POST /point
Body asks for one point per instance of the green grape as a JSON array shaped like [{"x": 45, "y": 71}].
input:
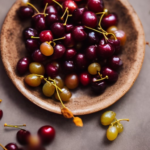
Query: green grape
[
  {"x": 120, "y": 127},
  {"x": 59, "y": 82},
  {"x": 48, "y": 89},
  {"x": 112, "y": 133},
  {"x": 94, "y": 68},
  {"x": 107, "y": 117}
]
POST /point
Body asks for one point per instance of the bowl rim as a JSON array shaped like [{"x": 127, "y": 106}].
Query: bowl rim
[{"x": 141, "y": 45}]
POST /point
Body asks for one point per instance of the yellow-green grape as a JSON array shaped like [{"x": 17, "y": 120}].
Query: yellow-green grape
[
  {"x": 48, "y": 89},
  {"x": 46, "y": 49},
  {"x": 24, "y": 2},
  {"x": 112, "y": 133},
  {"x": 36, "y": 68},
  {"x": 33, "y": 80},
  {"x": 59, "y": 82},
  {"x": 107, "y": 117},
  {"x": 94, "y": 68},
  {"x": 120, "y": 127}
]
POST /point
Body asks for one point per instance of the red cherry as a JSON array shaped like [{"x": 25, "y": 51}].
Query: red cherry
[
  {"x": 47, "y": 1},
  {"x": 95, "y": 5},
  {"x": 85, "y": 78},
  {"x": 37, "y": 56},
  {"x": 51, "y": 18},
  {"x": 11, "y": 146},
  {"x": 46, "y": 134},
  {"x": 70, "y": 54},
  {"x": 1, "y": 114},
  {"x": 92, "y": 38},
  {"x": 23, "y": 65},
  {"x": 69, "y": 28},
  {"x": 51, "y": 70},
  {"x": 109, "y": 20},
  {"x": 71, "y": 5},
  {"x": 28, "y": 32},
  {"x": 46, "y": 36},
  {"x": 69, "y": 41},
  {"x": 22, "y": 136},
  {"x": 89, "y": 19},
  {"x": 90, "y": 52},
  {"x": 51, "y": 10}
]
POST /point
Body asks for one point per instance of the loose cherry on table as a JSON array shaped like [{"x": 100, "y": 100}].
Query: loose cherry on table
[
  {"x": 11, "y": 146},
  {"x": 70, "y": 54},
  {"x": 85, "y": 78},
  {"x": 1, "y": 114}
]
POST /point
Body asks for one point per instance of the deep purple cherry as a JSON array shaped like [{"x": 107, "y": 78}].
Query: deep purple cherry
[
  {"x": 70, "y": 54},
  {"x": 89, "y": 19},
  {"x": 51, "y": 70},
  {"x": 1, "y": 114},
  {"x": 37, "y": 56},
  {"x": 32, "y": 45},
  {"x": 91, "y": 52},
  {"x": 95, "y": 5},
  {"x": 28, "y": 32},
  {"x": 79, "y": 33},
  {"x": 69, "y": 66},
  {"x": 22, "y": 136},
  {"x": 44, "y": 2},
  {"x": 51, "y": 10},
  {"x": 112, "y": 75},
  {"x": 69, "y": 41},
  {"x": 92, "y": 38},
  {"x": 69, "y": 28},
  {"x": 11, "y": 146},
  {"x": 51, "y": 18}
]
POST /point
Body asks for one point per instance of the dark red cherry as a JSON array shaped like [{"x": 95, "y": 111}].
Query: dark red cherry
[
  {"x": 112, "y": 75},
  {"x": 28, "y": 32},
  {"x": 51, "y": 70},
  {"x": 46, "y": 36},
  {"x": 79, "y": 34},
  {"x": 47, "y": 1},
  {"x": 46, "y": 134},
  {"x": 32, "y": 45},
  {"x": 102, "y": 41},
  {"x": 77, "y": 15},
  {"x": 85, "y": 78},
  {"x": 35, "y": 18},
  {"x": 81, "y": 61},
  {"x": 58, "y": 29},
  {"x": 105, "y": 51},
  {"x": 92, "y": 38},
  {"x": 115, "y": 63},
  {"x": 11, "y": 146},
  {"x": 95, "y": 5},
  {"x": 91, "y": 52},
  {"x": 59, "y": 51},
  {"x": 25, "y": 12},
  {"x": 70, "y": 4},
  {"x": 116, "y": 45},
  {"x": 1, "y": 114},
  {"x": 51, "y": 10},
  {"x": 69, "y": 66},
  {"x": 37, "y": 56},
  {"x": 89, "y": 19},
  {"x": 109, "y": 20},
  {"x": 23, "y": 65},
  {"x": 70, "y": 54},
  {"x": 69, "y": 41},
  {"x": 22, "y": 136},
  {"x": 98, "y": 87},
  {"x": 69, "y": 28},
  {"x": 51, "y": 18}
]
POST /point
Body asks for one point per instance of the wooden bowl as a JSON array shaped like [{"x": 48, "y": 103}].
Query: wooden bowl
[{"x": 83, "y": 101}]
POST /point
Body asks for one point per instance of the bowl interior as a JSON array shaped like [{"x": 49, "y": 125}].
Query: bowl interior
[{"x": 83, "y": 101}]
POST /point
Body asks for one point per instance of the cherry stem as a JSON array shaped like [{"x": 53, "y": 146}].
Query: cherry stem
[
  {"x": 58, "y": 3},
  {"x": 49, "y": 42},
  {"x": 14, "y": 126},
  {"x": 3, "y": 147},
  {"x": 45, "y": 10},
  {"x": 93, "y": 29},
  {"x": 33, "y": 37},
  {"x": 112, "y": 35},
  {"x": 66, "y": 10},
  {"x": 66, "y": 18},
  {"x": 62, "y": 38},
  {"x": 33, "y": 7},
  {"x": 117, "y": 121},
  {"x": 101, "y": 79}
]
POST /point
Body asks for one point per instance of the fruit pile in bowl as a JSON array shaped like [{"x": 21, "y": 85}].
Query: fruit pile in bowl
[{"x": 72, "y": 52}]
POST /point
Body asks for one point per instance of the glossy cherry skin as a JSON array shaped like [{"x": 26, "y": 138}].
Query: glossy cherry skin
[
  {"x": 109, "y": 20},
  {"x": 115, "y": 44},
  {"x": 28, "y": 32},
  {"x": 69, "y": 66},
  {"x": 91, "y": 52},
  {"x": 89, "y": 19},
  {"x": 51, "y": 10},
  {"x": 112, "y": 75},
  {"x": 22, "y": 136},
  {"x": 70, "y": 54},
  {"x": 37, "y": 56},
  {"x": 81, "y": 61},
  {"x": 23, "y": 65},
  {"x": 79, "y": 34},
  {"x": 1, "y": 114},
  {"x": 51, "y": 70},
  {"x": 70, "y": 4},
  {"x": 11, "y": 146},
  {"x": 85, "y": 78},
  {"x": 92, "y": 38},
  {"x": 95, "y": 5},
  {"x": 46, "y": 134},
  {"x": 58, "y": 29},
  {"x": 69, "y": 28},
  {"x": 77, "y": 15},
  {"x": 46, "y": 36},
  {"x": 121, "y": 36},
  {"x": 115, "y": 63},
  {"x": 31, "y": 45},
  {"x": 51, "y": 18},
  {"x": 25, "y": 12},
  {"x": 69, "y": 41},
  {"x": 105, "y": 51},
  {"x": 59, "y": 51},
  {"x": 98, "y": 87}
]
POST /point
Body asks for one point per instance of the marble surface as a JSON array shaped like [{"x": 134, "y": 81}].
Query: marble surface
[{"x": 134, "y": 105}]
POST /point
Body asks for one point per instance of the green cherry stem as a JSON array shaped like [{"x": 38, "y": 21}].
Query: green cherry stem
[
  {"x": 117, "y": 121},
  {"x": 66, "y": 11},
  {"x": 102, "y": 79},
  {"x": 14, "y": 126},
  {"x": 44, "y": 12},
  {"x": 33, "y": 37},
  {"x": 62, "y": 38}
]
